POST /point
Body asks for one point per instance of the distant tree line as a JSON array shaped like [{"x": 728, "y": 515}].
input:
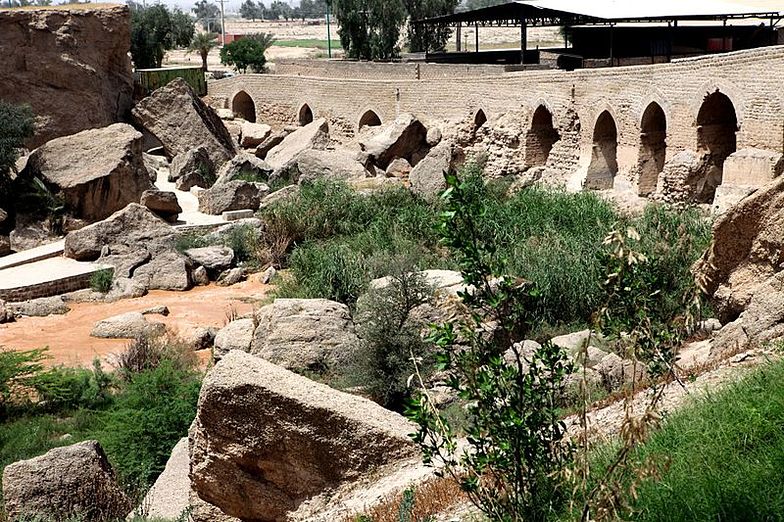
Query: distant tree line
[{"x": 277, "y": 10}]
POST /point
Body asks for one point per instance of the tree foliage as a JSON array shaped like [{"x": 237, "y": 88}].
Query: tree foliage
[
  {"x": 207, "y": 14},
  {"x": 370, "y": 29},
  {"x": 154, "y": 30},
  {"x": 248, "y": 53},
  {"x": 422, "y": 38},
  {"x": 16, "y": 125},
  {"x": 203, "y": 43},
  {"x": 517, "y": 455}
]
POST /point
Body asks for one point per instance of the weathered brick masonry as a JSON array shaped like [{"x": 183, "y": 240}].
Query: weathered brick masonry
[{"x": 752, "y": 80}]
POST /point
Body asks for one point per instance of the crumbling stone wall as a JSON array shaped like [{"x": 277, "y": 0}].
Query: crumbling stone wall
[{"x": 576, "y": 99}]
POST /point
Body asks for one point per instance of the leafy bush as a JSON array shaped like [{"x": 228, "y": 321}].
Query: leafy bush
[
  {"x": 152, "y": 413},
  {"x": 101, "y": 281},
  {"x": 17, "y": 124},
  {"x": 390, "y": 338}
]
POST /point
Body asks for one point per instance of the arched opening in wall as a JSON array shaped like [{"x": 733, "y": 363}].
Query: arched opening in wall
[
  {"x": 480, "y": 118},
  {"x": 242, "y": 105},
  {"x": 653, "y": 148},
  {"x": 369, "y": 119},
  {"x": 604, "y": 156},
  {"x": 717, "y": 127},
  {"x": 541, "y": 138},
  {"x": 305, "y": 115}
]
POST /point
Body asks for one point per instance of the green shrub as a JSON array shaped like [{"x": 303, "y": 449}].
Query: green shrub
[
  {"x": 390, "y": 338},
  {"x": 17, "y": 124},
  {"x": 150, "y": 415},
  {"x": 101, "y": 281}
]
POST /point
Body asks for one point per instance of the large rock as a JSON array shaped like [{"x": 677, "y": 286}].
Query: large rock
[
  {"x": 71, "y": 64},
  {"x": 314, "y": 135},
  {"x": 237, "y": 335},
  {"x": 742, "y": 269},
  {"x": 181, "y": 121},
  {"x": 744, "y": 172},
  {"x": 134, "y": 227},
  {"x": 97, "y": 171},
  {"x": 131, "y": 325},
  {"x": 272, "y": 141},
  {"x": 169, "y": 497},
  {"x": 304, "y": 333},
  {"x": 139, "y": 245},
  {"x": 314, "y": 164},
  {"x": 280, "y": 439},
  {"x": 69, "y": 483},
  {"x": 245, "y": 167},
  {"x": 402, "y": 138},
  {"x": 254, "y": 134},
  {"x": 232, "y": 195},
  {"x": 214, "y": 258},
  {"x": 41, "y": 307},
  {"x": 193, "y": 168},
  {"x": 163, "y": 203},
  {"x": 689, "y": 177},
  {"x": 427, "y": 178}
]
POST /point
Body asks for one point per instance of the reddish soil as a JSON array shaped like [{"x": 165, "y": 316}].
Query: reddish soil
[{"x": 68, "y": 336}]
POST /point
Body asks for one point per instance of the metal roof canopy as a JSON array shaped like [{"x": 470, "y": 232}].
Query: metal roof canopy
[{"x": 578, "y": 12}]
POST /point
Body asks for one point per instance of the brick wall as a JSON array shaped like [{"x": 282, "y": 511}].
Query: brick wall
[
  {"x": 751, "y": 79},
  {"x": 48, "y": 289},
  {"x": 382, "y": 71}
]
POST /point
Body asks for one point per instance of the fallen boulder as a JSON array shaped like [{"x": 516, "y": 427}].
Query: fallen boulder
[
  {"x": 193, "y": 168},
  {"x": 214, "y": 258},
  {"x": 402, "y": 138},
  {"x": 163, "y": 203},
  {"x": 181, "y": 121},
  {"x": 134, "y": 227},
  {"x": 97, "y": 171},
  {"x": 169, "y": 497},
  {"x": 254, "y": 134},
  {"x": 131, "y": 325},
  {"x": 41, "y": 307},
  {"x": 272, "y": 141},
  {"x": 244, "y": 167},
  {"x": 312, "y": 164},
  {"x": 304, "y": 333},
  {"x": 72, "y": 482},
  {"x": 281, "y": 439},
  {"x": 237, "y": 335},
  {"x": 314, "y": 135},
  {"x": 232, "y": 195},
  {"x": 427, "y": 178}
]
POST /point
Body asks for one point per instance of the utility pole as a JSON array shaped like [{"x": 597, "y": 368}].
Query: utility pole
[
  {"x": 329, "y": 36},
  {"x": 223, "y": 25}
]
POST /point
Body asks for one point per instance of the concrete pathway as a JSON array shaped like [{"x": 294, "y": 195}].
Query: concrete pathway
[
  {"x": 34, "y": 254},
  {"x": 190, "y": 215}
]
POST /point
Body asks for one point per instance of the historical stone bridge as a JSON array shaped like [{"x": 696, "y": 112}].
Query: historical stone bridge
[{"x": 595, "y": 128}]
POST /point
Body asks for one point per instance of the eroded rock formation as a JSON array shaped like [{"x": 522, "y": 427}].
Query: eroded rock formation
[{"x": 70, "y": 64}]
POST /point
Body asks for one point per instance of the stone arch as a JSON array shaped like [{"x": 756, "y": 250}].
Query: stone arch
[
  {"x": 305, "y": 115},
  {"x": 717, "y": 138},
  {"x": 369, "y": 119},
  {"x": 653, "y": 148},
  {"x": 604, "y": 154},
  {"x": 540, "y": 138},
  {"x": 480, "y": 118},
  {"x": 242, "y": 105}
]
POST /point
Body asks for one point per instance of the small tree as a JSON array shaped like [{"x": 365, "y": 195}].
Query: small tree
[
  {"x": 423, "y": 38},
  {"x": 203, "y": 43},
  {"x": 248, "y": 52},
  {"x": 182, "y": 28},
  {"x": 16, "y": 125},
  {"x": 370, "y": 29},
  {"x": 516, "y": 459},
  {"x": 151, "y": 35}
]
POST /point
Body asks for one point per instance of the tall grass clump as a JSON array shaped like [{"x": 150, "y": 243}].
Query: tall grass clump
[{"x": 719, "y": 458}]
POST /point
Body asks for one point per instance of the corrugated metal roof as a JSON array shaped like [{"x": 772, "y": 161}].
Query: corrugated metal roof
[
  {"x": 636, "y": 9},
  {"x": 571, "y": 12}
]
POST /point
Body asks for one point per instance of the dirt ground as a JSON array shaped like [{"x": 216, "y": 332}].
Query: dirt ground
[{"x": 68, "y": 336}]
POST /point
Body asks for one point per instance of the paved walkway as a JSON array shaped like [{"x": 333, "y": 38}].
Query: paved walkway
[
  {"x": 34, "y": 254},
  {"x": 44, "y": 271},
  {"x": 190, "y": 215}
]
